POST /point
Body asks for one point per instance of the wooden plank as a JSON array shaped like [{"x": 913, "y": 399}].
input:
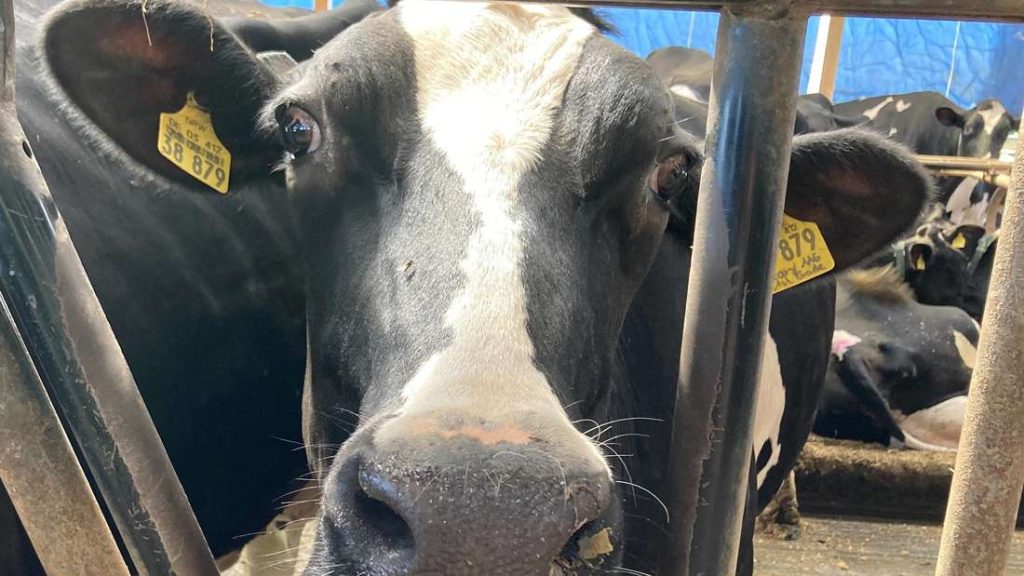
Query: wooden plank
[{"x": 825, "y": 62}]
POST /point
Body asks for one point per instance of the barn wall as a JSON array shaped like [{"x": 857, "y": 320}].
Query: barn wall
[{"x": 967, "y": 61}]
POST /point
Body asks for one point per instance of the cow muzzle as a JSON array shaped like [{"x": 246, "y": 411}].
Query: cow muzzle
[{"x": 444, "y": 494}]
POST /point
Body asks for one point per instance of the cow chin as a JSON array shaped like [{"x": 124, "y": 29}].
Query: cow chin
[{"x": 444, "y": 490}]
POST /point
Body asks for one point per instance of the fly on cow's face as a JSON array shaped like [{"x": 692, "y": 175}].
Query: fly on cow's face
[{"x": 299, "y": 131}]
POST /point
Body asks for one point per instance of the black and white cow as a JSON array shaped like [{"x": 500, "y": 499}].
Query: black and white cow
[
  {"x": 945, "y": 264},
  {"x": 491, "y": 242},
  {"x": 900, "y": 369},
  {"x": 930, "y": 123}
]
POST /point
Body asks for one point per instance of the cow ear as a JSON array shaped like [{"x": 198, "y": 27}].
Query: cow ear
[
  {"x": 862, "y": 190},
  {"x": 1014, "y": 123},
  {"x": 949, "y": 117},
  {"x": 123, "y": 63}
]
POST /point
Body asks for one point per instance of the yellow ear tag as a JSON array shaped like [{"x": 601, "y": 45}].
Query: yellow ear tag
[
  {"x": 801, "y": 254},
  {"x": 959, "y": 241},
  {"x": 919, "y": 264},
  {"x": 187, "y": 139}
]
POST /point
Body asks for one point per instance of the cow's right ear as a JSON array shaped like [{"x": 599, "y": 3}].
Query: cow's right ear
[
  {"x": 123, "y": 63},
  {"x": 949, "y": 117}
]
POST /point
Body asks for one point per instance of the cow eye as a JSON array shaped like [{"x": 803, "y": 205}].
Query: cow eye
[
  {"x": 670, "y": 176},
  {"x": 300, "y": 132}
]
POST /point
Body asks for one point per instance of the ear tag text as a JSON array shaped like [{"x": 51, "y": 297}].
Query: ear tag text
[
  {"x": 187, "y": 139},
  {"x": 801, "y": 254}
]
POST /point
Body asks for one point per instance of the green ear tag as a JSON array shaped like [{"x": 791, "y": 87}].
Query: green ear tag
[
  {"x": 187, "y": 139},
  {"x": 801, "y": 254}
]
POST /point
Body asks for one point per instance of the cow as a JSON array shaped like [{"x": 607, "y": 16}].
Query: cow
[
  {"x": 900, "y": 370},
  {"x": 945, "y": 264},
  {"x": 930, "y": 123},
  {"x": 201, "y": 291},
  {"x": 687, "y": 73},
  {"x": 482, "y": 224}
]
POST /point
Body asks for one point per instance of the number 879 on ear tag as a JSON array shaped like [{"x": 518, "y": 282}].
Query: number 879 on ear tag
[
  {"x": 801, "y": 254},
  {"x": 187, "y": 139}
]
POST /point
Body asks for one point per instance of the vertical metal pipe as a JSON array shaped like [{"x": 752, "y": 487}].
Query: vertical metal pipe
[
  {"x": 42, "y": 474},
  {"x": 77, "y": 357},
  {"x": 989, "y": 473},
  {"x": 752, "y": 111}
]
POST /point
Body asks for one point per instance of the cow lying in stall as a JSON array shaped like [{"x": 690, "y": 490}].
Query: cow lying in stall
[
  {"x": 900, "y": 369},
  {"x": 506, "y": 168}
]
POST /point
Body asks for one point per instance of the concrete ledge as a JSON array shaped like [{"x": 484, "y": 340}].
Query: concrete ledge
[{"x": 836, "y": 477}]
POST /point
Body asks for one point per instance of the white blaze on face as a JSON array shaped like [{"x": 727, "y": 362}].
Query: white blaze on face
[
  {"x": 490, "y": 80},
  {"x": 968, "y": 352},
  {"x": 991, "y": 116},
  {"x": 771, "y": 404},
  {"x": 935, "y": 429},
  {"x": 872, "y": 113}
]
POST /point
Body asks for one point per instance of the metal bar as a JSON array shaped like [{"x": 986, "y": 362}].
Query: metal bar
[
  {"x": 69, "y": 533},
  {"x": 964, "y": 163},
  {"x": 742, "y": 189},
  {"x": 989, "y": 472},
  {"x": 995, "y": 179},
  {"x": 1008, "y": 10},
  {"x": 74, "y": 350}
]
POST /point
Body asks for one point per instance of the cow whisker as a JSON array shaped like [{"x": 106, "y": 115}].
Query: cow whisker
[{"x": 668, "y": 519}]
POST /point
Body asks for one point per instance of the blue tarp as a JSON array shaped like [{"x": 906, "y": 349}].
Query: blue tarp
[{"x": 967, "y": 61}]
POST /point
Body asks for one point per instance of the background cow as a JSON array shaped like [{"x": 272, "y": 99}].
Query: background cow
[
  {"x": 900, "y": 369},
  {"x": 494, "y": 217}
]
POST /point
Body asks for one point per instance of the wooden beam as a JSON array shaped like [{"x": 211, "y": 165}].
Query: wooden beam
[{"x": 826, "y": 56}]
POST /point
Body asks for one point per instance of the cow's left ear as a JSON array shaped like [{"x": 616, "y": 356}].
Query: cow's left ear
[
  {"x": 123, "y": 63},
  {"x": 863, "y": 191},
  {"x": 949, "y": 117},
  {"x": 1014, "y": 122}
]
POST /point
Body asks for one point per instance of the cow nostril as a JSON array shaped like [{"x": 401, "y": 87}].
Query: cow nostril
[{"x": 369, "y": 523}]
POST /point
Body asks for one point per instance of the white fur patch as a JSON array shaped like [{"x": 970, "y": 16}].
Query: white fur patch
[
  {"x": 968, "y": 352},
  {"x": 893, "y": 131},
  {"x": 771, "y": 404},
  {"x": 959, "y": 204},
  {"x": 872, "y": 113},
  {"x": 841, "y": 342},
  {"x": 992, "y": 116},
  {"x": 935, "y": 429},
  {"x": 687, "y": 92},
  {"x": 491, "y": 79},
  {"x": 902, "y": 105}
]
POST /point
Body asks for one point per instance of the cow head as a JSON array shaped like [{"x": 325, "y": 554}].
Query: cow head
[
  {"x": 984, "y": 127},
  {"x": 479, "y": 192}
]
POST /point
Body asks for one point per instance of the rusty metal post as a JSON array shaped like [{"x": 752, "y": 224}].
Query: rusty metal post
[
  {"x": 989, "y": 474},
  {"x": 74, "y": 351},
  {"x": 42, "y": 474},
  {"x": 742, "y": 191}
]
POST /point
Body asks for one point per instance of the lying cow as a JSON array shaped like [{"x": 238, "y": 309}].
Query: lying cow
[
  {"x": 687, "y": 73},
  {"x": 493, "y": 212},
  {"x": 900, "y": 370},
  {"x": 945, "y": 264}
]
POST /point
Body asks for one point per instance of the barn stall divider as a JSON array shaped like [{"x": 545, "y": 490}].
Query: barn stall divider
[
  {"x": 63, "y": 340},
  {"x": 68, "y": 343}
]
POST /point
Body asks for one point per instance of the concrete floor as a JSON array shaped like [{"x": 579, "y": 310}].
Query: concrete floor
[{"x": 845, "y": 547}]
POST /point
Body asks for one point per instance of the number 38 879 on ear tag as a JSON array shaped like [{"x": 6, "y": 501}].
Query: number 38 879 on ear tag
[
  {"x": 801, "y": 254},
  {"x": 187, "y": 139}
]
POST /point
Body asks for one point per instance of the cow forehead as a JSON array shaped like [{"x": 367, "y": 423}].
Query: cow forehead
[{"x": 991, "y": 111}]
